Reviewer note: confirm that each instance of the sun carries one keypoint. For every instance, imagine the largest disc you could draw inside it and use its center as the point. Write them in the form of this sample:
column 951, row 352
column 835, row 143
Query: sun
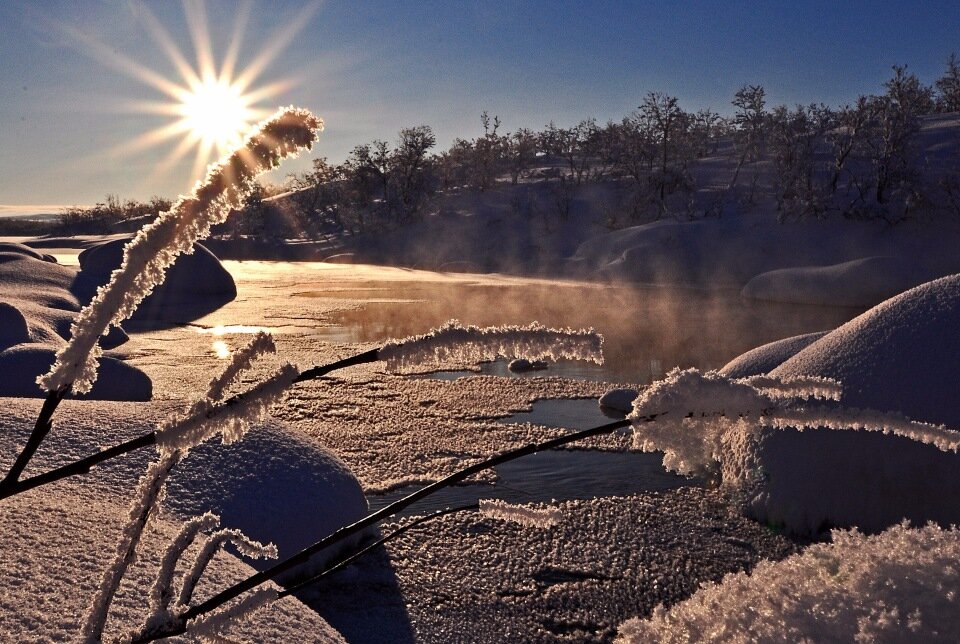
column 212, row 105
column 217, row 113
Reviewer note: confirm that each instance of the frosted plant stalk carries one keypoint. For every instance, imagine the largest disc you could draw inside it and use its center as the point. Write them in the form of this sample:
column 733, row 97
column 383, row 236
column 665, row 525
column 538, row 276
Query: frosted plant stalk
column 524, row 515
column 243, row 543
column 161, row 595
column 208, row 419
column 455, row 343
column 146, row 500
column 209, row 627
column 240, row 361
column 157, row 245
column 799, row 387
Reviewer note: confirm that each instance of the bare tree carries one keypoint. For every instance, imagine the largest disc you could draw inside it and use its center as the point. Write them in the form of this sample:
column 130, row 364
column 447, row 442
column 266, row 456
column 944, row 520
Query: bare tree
column 948, row 87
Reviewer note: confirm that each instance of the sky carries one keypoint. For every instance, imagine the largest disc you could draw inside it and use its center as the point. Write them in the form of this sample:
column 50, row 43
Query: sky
column 75, row 101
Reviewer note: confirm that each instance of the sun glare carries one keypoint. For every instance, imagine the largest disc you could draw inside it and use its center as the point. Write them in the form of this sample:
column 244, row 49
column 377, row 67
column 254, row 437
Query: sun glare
column 217, row 114
column 211, row 105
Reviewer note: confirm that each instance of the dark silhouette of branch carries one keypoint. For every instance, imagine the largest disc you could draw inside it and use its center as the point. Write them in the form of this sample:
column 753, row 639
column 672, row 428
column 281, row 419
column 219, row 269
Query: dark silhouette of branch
column 40, row 430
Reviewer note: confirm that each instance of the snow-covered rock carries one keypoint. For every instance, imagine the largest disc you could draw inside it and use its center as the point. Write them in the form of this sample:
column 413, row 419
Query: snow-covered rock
column 900, row 355
column 22, row 364
column 522, row 365
column 276, row 486
column 619, row 399
column 768, row 356
column 198, row 279
column 39, row 300
column 14, row 248
column 860, row 282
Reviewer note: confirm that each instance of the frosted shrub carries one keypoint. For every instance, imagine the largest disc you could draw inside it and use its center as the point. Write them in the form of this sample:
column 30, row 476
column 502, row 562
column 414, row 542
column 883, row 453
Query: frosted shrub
column 455, row 343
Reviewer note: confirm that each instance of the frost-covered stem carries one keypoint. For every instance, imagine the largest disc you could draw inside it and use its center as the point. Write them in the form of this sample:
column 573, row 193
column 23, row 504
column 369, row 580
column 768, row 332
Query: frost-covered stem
column 157, row 245
column 213, row 543
column 209, row 627
column 343, row 563
column 388, row 511
column 241, row 360
column 40, row 430
column 162, row 594
column 148, row 495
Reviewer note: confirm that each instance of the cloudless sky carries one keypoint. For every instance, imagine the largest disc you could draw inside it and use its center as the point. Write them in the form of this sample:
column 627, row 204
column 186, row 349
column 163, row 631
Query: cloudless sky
column 372, row 67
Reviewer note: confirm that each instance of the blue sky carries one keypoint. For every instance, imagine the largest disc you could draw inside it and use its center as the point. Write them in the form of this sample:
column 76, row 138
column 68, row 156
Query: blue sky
column 372, row 67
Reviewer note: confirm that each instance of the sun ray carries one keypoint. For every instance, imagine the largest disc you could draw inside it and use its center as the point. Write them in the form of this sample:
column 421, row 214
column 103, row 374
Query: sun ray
column 208, row 111
column 233, row 49
column 196, row 13
column 162, row 37
column 279, row 41
column 150, row 138
column 111, row 58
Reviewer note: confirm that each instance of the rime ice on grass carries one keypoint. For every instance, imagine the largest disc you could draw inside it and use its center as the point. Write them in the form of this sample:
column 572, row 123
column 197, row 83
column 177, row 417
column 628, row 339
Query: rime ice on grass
column 946, row 440
column 156, row 246
column 901, row 585
column 208, row 419
column 209, row 627
column 162, row 594
column 525, row 515
column 214, row 542
column 454, row 342
column 146, row 500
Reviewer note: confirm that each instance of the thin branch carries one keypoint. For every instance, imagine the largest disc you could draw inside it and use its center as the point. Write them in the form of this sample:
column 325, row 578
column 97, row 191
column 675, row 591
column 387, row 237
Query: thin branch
column 343, row 563
column 12, row 486
column 388, row 511
column 40, row 430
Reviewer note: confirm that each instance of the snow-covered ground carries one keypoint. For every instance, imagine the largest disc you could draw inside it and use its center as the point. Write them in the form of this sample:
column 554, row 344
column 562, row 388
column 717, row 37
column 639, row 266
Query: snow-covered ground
column 464, row 576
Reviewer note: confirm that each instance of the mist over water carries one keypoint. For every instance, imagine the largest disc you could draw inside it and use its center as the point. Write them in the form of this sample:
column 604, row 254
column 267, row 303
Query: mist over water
column 647, row 330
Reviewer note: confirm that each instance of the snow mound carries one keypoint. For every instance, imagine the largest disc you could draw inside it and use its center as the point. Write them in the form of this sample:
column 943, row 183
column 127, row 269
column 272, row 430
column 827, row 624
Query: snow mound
column 768, row 356
column 899, row 586
column 276, row 486
column 860, row 282
column 195, row 279
column 13, row 248
column 899, row 356
column 22, row 364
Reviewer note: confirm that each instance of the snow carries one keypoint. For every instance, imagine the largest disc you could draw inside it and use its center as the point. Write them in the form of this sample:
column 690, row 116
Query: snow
column 899, row 586
column 859, row 282
column 768, row 356
column 276, row 486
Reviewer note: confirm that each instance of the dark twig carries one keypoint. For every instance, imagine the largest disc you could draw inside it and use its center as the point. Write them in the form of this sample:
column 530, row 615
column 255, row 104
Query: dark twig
column 11, row 485
column 343, row 563
column 40, row 430
column 388, row 511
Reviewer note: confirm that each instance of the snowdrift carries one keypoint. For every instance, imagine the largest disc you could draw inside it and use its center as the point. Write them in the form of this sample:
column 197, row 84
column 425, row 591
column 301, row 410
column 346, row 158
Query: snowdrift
column 276, row 486
column 768, row 356
column 859, row 282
